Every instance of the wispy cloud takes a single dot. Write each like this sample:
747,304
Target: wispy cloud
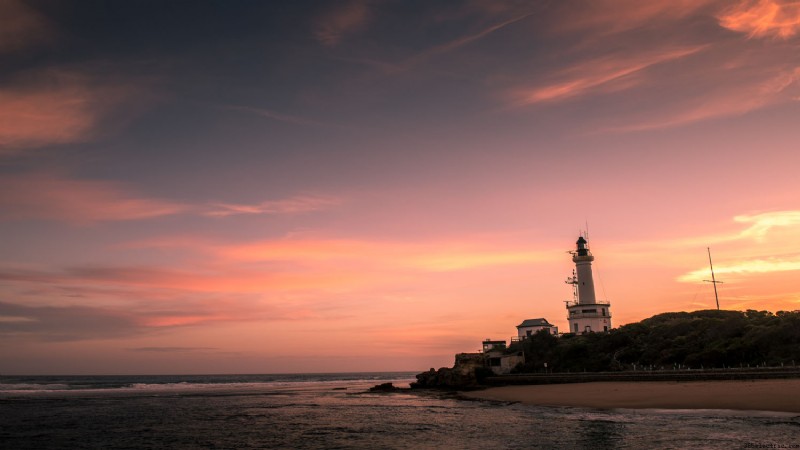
763,18
748,267
759,91
597,75
49,196
173,349
761,227
459,42
52,197
343,19
420,57
763,223
616,16
293,205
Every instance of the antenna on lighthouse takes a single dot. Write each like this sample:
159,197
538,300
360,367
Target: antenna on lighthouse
587,232
713,280
573,280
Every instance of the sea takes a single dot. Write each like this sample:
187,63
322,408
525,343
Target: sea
337,411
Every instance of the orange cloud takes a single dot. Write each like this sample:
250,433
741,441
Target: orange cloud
55,107
49,197
597,75
332,27
22,27
763,18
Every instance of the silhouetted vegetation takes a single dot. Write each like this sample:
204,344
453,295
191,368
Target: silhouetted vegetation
701,339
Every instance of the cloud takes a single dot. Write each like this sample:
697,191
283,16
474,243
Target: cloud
759,229
766,87
65,323
597,75
56,107
22,28
172,349
293,205
118,301
649,53
460,42
763,18
46,196
747,267
345,19
51,197
763,223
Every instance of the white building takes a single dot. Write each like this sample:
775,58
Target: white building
585,313
529,327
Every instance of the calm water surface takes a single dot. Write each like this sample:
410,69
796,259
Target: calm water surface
334,411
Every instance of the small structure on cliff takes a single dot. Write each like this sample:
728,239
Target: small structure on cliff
584,313
529,327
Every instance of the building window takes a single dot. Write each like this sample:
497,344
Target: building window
576,328
605,328
604,311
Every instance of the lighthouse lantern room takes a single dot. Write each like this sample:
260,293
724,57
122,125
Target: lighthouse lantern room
585,313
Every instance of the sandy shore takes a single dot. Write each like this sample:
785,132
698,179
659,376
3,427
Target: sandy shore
761,395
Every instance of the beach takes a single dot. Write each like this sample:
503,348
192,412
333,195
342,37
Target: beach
750,395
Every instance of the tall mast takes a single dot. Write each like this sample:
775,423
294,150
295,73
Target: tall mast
713,279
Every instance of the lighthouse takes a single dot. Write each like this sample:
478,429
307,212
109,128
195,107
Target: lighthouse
584,313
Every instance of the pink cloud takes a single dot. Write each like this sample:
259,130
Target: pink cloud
54,107
763,18
51,197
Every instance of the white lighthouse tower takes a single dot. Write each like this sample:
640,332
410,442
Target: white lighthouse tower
585,313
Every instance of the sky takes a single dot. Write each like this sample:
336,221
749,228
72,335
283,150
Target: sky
277,187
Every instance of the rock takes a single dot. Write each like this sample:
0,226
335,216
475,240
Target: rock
384,387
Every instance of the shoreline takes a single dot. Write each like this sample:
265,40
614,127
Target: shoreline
779,395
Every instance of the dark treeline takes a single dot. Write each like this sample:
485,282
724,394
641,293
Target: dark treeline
701,339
